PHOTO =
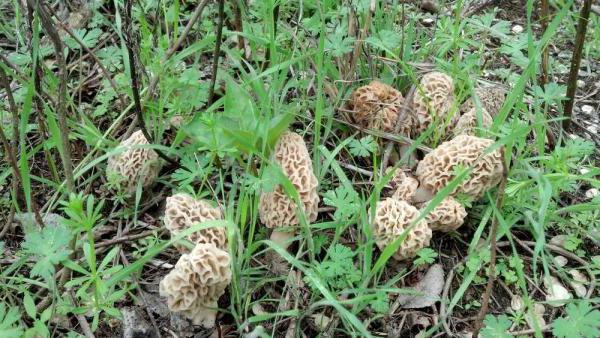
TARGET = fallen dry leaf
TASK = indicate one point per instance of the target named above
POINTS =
(427, 291)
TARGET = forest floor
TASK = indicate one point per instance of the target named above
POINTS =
(83, 256)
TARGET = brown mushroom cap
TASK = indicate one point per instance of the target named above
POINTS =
(377, 105)
(392, 218)
(404, 185)
(437, 168)
(467, 123)
(491, 99)
(196, 283)
(134, 164)
(276, 209)
(183, 211)
(448, 215)
(433, 101)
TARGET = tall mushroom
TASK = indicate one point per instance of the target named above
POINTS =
(491, 99)
(135, 164)
(468, 122)
(432, 102)
(195, 284)
(276, 209)
(438, 167)
(182, 211)
(394, 217)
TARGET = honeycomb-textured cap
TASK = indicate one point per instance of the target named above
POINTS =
(433, 102)
(448, 215)
(491, 99)
(377, 106)
(437, 168)
(134, 165)
(392, 217)
(182, 211)
(275, 207)
(403, 184)
(196, 283)
(467, 123)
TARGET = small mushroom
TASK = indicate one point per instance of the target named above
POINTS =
(447, 216)
(182, 211)
(491, 99)
(196, 282)
(467, 123)
(438, 167)
(377, 105)
(134, 164)
(277, 210)
(404, 185)
(392, 218)
(432, 102)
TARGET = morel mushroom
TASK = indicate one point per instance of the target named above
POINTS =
(404, 185)
(377, 105)
(468, 123)
(196, 282)
(183, 211)
(437, 168)
(277, 210)
(447, 216)
(392, 218)
(133, 165)
(433, 100)
(491, 99)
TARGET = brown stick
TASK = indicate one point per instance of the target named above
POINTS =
(584, 16)
(217, 53)
(10, 148)
(103, 69)
(400, 119)
(61, 110)
(493, 247)
(129, 42)
(363, 35)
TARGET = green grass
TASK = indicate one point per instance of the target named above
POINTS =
(223, 151)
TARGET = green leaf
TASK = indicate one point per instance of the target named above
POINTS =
(29, 305)
(8, 320)
(50, 247)
(346, 202)
(363, 147)
(496, 327)
(581, 321)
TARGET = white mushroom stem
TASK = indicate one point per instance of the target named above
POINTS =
(422, 195)
(282, 236)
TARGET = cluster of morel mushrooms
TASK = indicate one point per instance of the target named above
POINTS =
(201, 275)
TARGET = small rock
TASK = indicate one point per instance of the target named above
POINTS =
(427, 21)
(593, 192)
(587, 109)
(584, 171)
(557, 294)
(429, 6)
(427, 290)
(593, 129)
(321, 321)
(560, 261)
(134, 325)
(580, 83)
(517, 29)
(536, 316)
(516, 303)
(577, 283)
(558, 240)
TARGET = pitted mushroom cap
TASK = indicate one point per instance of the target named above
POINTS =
(491, 99)
(377, 105)
(392, 218)
(467, 123)
(448, 215)
(182, 211)
(434, 101)
(134, 164)
(275, 207)
(437, 168)
(196, 283)
(404, 185)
